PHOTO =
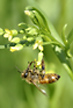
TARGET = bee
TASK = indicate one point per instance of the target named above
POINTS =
(37, 76)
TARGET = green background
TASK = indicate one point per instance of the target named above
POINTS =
(15, 92)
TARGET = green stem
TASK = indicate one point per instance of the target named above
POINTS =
(46, 43)
(68, 70)
(66, 63)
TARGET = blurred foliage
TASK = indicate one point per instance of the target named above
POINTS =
(14, 92)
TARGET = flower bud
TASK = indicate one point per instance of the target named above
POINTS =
(15, 40)
(36, 17)
(1, 31)
(16, 48)
(14, 32)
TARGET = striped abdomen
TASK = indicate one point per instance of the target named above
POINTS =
(49, 78)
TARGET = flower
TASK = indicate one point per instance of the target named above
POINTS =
(8, 34)
(38, 44)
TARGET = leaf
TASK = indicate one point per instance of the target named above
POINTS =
(70, 37)
(70, 50)
(36, 17)
(63, 35)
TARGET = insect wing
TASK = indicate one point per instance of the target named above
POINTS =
(40, 89)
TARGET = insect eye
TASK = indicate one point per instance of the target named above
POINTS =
(25, 75)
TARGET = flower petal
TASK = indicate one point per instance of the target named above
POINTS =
(35, 45)
(40, 47)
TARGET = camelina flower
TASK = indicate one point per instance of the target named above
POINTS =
(38, 44)
(8, 34)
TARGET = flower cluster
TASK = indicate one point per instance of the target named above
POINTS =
(39, 34)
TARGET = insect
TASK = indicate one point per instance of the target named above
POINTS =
(38, 76)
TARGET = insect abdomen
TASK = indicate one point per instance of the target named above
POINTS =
(49, 78)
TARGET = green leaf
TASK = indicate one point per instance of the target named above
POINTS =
(70, 37)
(54, 33)
(37, 18)
(63, 35)
(70, 50)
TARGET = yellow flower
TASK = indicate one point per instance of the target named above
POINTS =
(12, 49)
(8, 34)
(38, 44)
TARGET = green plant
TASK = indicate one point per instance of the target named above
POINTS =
(39, 34)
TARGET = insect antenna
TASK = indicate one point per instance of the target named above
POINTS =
(18, 70)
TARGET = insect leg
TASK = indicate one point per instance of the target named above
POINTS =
(35, 68)
(43, 66)
(29, 66)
